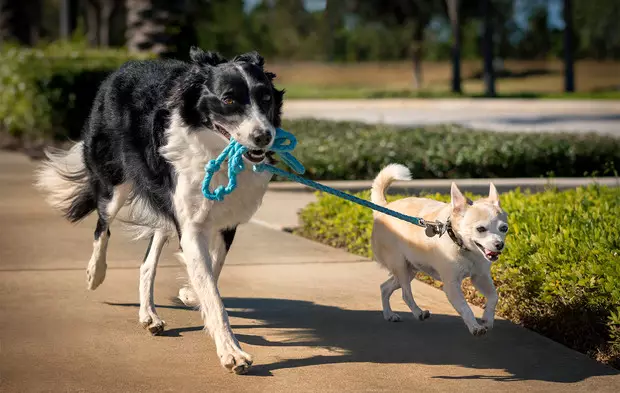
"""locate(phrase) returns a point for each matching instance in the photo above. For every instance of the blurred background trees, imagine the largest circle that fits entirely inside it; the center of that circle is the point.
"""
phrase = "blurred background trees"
(335, 31)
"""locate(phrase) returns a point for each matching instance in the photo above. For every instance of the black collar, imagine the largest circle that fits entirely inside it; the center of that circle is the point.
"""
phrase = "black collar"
(457, 240)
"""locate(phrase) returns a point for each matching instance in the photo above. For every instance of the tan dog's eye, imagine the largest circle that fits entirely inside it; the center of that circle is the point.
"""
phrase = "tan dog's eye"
(228, 101)
(481, 229)
(503, 228)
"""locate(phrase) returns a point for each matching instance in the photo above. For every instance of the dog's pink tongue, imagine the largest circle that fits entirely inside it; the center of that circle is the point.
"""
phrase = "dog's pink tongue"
(491, 253)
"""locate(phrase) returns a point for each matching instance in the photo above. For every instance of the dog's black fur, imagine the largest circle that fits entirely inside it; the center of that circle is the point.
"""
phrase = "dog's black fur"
(131, 112)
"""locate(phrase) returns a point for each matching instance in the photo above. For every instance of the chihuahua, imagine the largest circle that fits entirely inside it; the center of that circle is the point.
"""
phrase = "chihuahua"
(471, 238)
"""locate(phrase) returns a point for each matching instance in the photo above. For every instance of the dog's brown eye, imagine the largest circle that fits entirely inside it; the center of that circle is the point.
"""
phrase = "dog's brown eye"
(228, 101)
(266, 98)
(481, 229)
(503, 228)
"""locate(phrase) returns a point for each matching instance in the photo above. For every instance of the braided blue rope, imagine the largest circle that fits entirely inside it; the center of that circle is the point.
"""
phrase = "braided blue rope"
(284, 144)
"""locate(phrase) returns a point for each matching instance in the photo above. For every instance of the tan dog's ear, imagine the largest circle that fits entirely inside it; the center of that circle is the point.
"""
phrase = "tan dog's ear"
(457, 198)
(493, 195)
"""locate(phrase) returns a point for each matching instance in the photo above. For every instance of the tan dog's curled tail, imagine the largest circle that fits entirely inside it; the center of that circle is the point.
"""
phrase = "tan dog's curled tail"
(384, 179)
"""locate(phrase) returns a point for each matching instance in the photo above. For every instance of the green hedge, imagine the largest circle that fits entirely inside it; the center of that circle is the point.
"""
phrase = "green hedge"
(559, 275)
(47, 92)
(355, 151)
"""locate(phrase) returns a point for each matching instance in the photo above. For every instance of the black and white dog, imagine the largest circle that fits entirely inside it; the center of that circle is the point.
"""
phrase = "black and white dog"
(152, 128)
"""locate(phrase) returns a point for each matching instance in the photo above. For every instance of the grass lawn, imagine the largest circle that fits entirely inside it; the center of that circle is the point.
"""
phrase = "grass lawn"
(521, 79)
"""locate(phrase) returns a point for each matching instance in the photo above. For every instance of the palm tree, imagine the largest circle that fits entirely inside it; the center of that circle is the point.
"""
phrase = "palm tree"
(20, 21)
(146, 26)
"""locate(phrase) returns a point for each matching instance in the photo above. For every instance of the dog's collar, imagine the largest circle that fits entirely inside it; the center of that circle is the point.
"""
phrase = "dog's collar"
(457, 240)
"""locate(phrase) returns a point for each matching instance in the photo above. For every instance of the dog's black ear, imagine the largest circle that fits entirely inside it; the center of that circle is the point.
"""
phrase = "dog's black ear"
(251, 57)
(270, 75)
(201, 57)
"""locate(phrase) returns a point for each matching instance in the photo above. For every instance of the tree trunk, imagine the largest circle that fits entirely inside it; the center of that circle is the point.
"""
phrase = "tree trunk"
(20, 21)
(146, 26)
(92, 22)
(487, 45)
(68, 18)
(417, 53)
(569, 63)
(330, 19)
(455, 22)
(5, 21)
(105, 15)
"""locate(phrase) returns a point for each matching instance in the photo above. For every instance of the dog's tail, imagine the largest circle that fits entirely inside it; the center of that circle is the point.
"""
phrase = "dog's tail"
(384, 179)
(63, 176)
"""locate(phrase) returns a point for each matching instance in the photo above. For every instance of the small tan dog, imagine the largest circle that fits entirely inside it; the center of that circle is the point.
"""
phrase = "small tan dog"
(473, 240)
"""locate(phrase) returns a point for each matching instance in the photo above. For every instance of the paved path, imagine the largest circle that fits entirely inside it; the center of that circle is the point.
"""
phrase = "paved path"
(498, 114)
(308, 313)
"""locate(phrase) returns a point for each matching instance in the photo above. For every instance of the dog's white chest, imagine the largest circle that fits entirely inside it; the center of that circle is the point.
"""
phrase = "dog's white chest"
(239, 206)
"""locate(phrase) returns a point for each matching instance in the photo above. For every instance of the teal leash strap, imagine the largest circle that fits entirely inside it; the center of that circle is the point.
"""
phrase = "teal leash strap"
(234, 152)
(351, 198)
(284, 144)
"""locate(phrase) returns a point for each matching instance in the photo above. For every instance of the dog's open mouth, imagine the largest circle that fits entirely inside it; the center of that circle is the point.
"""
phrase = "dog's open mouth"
(488, 254)
(222, 131)
(254, 156)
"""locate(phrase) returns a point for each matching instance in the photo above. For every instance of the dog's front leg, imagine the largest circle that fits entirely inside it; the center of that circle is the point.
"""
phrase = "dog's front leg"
(452, 288)
(198, 262)
(484, 284)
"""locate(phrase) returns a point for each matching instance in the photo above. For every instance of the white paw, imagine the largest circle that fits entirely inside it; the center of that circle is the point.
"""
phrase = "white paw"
(235, 360)
(95, 274)
(188, 297)
(424, 314)
(152, 323)
(488, 324)
(391, 317)
(477, 330)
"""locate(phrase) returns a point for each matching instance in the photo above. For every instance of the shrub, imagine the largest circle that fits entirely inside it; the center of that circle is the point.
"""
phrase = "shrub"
(356, 151)
(47, 92)
(559, 275)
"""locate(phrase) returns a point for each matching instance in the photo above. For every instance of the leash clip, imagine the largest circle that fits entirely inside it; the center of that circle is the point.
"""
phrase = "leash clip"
(433, 228)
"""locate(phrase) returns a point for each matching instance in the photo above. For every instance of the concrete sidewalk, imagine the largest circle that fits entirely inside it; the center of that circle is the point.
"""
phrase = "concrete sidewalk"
(309, 314)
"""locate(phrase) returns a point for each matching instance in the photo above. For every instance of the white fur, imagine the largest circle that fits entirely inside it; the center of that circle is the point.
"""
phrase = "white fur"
(53, 175)
(200, 219)
(383, 180)
(147, 315)
(97, 266)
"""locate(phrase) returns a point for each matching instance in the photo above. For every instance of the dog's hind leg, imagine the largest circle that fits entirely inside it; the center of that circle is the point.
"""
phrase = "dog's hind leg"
(405, 275)
(108, 207)
(148, 316)
(387, 288)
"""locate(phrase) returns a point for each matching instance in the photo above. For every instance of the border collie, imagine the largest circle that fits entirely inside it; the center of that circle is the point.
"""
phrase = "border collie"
(153, 126)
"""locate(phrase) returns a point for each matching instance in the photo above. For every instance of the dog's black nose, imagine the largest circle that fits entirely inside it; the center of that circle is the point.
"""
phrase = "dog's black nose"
(261, 138)
(499, 245)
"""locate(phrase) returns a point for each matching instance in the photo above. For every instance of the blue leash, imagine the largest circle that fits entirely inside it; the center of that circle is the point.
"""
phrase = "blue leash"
(284, 143)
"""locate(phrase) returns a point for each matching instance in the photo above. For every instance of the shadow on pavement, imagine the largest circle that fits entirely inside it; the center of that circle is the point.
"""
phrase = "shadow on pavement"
(359, 336)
